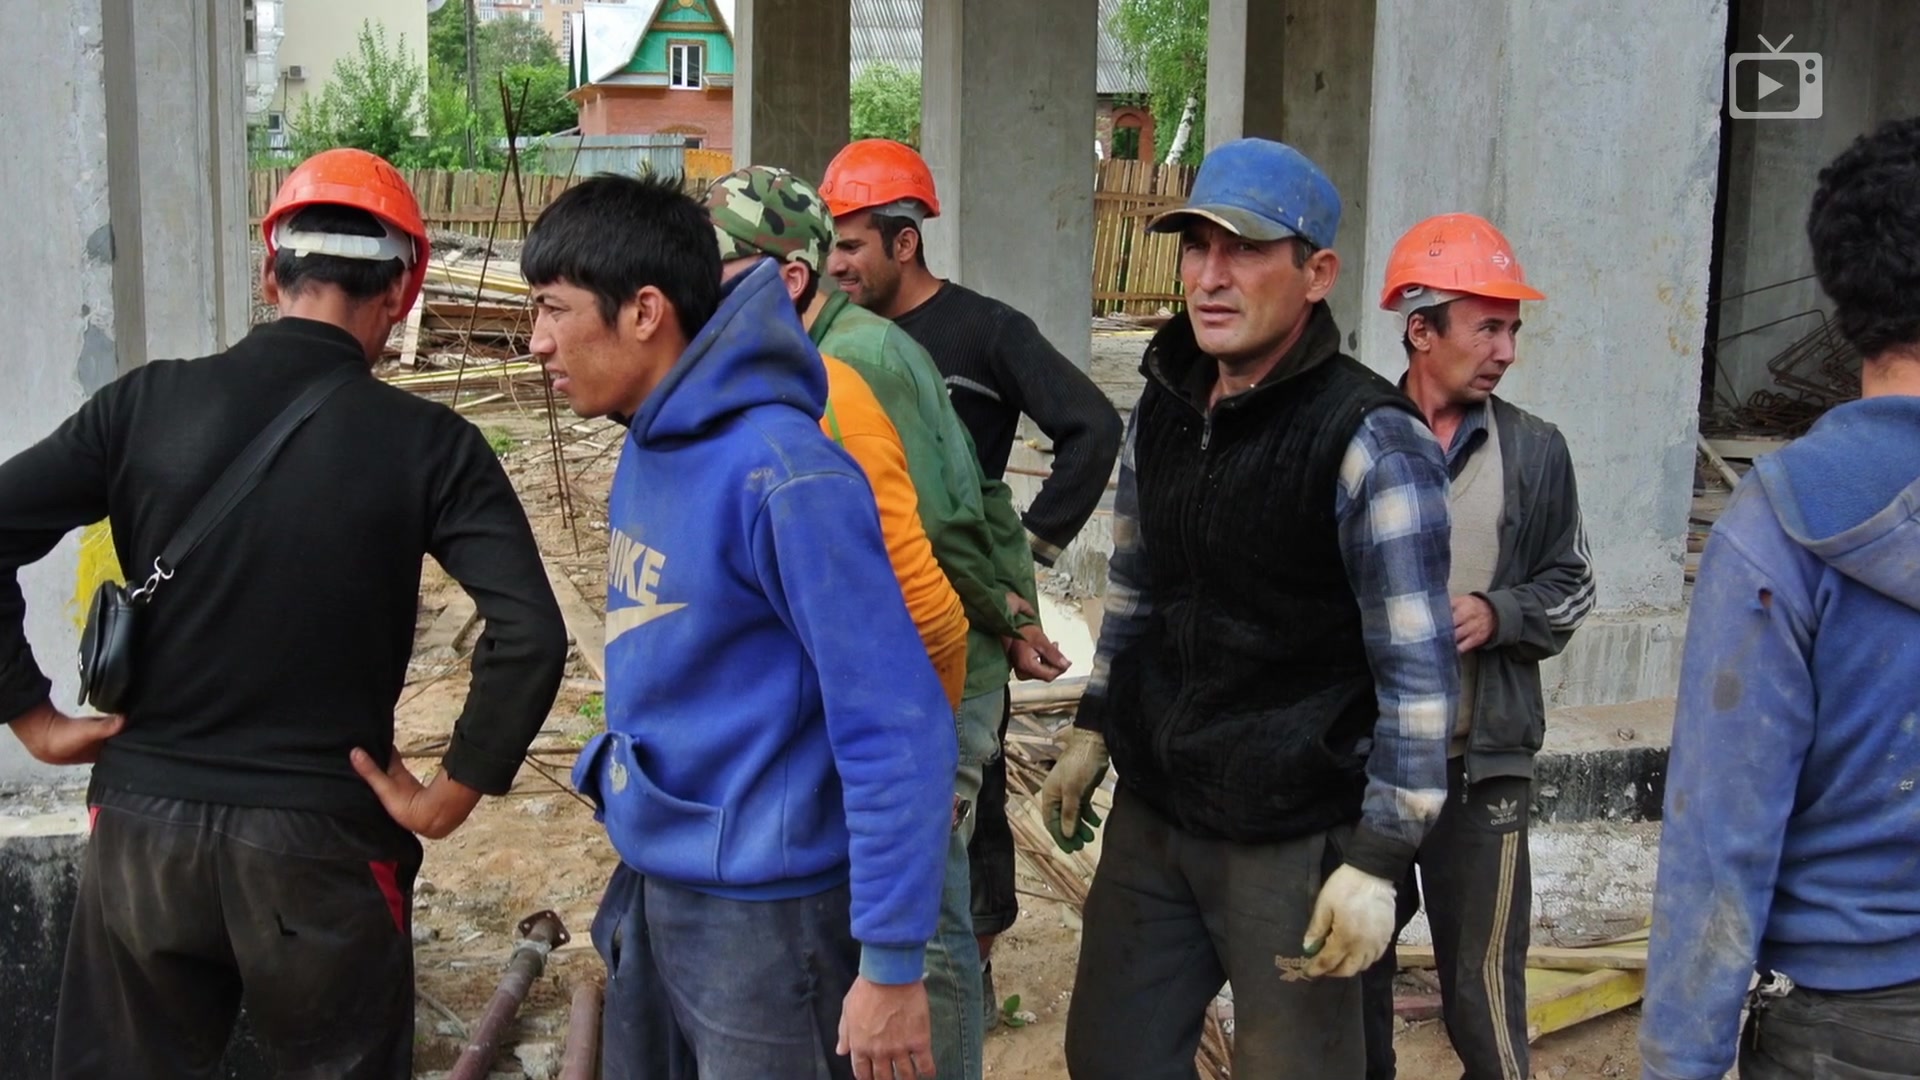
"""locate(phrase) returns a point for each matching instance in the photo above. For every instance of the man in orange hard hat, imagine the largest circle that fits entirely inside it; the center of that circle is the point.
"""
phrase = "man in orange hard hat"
(1520, 582)
(253, 828)
(997, 366)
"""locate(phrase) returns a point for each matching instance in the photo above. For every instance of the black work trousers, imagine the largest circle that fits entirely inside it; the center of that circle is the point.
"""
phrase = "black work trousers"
(1477, 884)
(990, 851)
(1170, 918)
(1833, 1035)
(187, 910)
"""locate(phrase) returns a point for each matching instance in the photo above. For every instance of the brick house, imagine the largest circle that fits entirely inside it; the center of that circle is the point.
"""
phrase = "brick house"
(655, 67)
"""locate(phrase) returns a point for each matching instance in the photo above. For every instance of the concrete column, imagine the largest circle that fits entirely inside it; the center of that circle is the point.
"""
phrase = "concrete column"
(1301, 71)
(127, 236)
(790, 83)
(1007, 122)
(1598, 156)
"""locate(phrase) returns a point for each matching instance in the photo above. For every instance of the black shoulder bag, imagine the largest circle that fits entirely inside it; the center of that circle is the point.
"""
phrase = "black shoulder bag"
(106, 645)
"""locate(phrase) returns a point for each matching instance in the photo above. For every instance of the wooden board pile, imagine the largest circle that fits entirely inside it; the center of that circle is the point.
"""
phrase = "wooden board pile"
(466, 339)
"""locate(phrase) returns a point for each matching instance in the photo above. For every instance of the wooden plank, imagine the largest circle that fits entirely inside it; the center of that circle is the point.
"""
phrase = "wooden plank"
(1719, 463)
(1622, 957)
(586, 625)
(442, 639)
(410, 340)
(1558, 1007)
(1058, 692)
(1745, 449)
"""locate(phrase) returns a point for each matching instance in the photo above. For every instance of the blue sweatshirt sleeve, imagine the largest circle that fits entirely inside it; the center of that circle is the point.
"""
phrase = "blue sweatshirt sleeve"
(1744, 723)
(888, 723)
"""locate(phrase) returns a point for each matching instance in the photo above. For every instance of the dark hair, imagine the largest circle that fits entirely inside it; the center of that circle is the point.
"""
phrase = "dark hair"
(615, 235)
(891, 226)
(1864, 228)
(360, 279)
(812, 289)
(1437, 315)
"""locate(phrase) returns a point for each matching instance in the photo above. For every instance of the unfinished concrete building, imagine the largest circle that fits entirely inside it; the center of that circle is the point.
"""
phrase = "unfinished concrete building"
(1666, 234)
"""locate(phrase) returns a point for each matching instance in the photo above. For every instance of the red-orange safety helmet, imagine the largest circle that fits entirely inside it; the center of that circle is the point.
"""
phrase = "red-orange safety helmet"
(876, 172)
(347, 177)
(1454, 253)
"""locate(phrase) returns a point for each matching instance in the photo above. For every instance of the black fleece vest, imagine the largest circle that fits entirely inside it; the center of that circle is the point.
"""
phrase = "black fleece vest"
(1242, 714)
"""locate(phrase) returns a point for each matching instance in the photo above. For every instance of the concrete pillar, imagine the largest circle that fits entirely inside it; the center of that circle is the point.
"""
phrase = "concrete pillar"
(1007, 126)
(790, 83)
(1301, 71)
(1598, 156)
(125, 184)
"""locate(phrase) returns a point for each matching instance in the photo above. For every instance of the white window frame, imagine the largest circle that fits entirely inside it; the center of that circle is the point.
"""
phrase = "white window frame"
(678, 53)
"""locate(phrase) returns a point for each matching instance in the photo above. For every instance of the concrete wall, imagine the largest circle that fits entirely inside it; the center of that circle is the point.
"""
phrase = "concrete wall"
(1597, 152)
(322, 32)
(790, 83)
(1006, 111)
(1773, 166)
(126, 152)
(1301, 71)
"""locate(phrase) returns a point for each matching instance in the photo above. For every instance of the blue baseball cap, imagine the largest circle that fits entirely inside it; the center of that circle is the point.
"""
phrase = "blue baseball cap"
(1262, 190)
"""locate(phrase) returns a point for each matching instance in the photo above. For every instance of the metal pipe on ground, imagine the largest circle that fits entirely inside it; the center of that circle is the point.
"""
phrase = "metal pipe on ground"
(582, 1058)
(540, 934)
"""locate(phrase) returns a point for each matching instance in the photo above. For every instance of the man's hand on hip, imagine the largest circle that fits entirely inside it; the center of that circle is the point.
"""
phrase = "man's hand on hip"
(1352, 923)
(55, 738)
(887, 1031)
(1474, 623)
(431, 810)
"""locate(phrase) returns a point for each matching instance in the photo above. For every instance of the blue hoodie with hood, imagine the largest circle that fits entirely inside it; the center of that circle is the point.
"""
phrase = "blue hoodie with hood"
(774, 727)
(1792, 833)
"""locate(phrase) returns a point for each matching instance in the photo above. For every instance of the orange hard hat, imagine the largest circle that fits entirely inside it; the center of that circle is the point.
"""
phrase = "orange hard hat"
(348, 177)
(875, 172)
(1454, 253)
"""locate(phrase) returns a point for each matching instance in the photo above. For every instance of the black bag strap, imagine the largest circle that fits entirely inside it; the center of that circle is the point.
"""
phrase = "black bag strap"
(241, 477)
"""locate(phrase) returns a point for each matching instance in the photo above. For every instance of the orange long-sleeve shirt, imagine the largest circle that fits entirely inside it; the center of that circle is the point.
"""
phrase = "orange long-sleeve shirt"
(856, 421)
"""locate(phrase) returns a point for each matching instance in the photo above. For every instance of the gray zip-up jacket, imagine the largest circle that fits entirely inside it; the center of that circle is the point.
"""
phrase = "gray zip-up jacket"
(1542, 590)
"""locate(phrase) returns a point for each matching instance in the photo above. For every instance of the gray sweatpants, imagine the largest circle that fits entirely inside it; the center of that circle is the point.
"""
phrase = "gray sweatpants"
(1170, 919)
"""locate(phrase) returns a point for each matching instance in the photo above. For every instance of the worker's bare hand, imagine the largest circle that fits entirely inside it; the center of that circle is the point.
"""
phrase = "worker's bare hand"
(431, 810)
(55, 738)
(887, 1031)
(1474, 623)
(1035, 656)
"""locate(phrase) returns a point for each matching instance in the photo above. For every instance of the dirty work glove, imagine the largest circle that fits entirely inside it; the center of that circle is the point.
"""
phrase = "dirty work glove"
(1352, 923)
(1066, 799)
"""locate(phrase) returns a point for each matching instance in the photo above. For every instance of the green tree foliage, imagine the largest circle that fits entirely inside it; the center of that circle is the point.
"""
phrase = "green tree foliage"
(885, 104)
(515, 48)
(374, 101)
(1166, 40)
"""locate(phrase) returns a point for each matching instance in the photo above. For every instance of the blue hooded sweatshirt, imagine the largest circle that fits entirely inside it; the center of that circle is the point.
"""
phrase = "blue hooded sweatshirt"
(774, 727)
(1792, 833)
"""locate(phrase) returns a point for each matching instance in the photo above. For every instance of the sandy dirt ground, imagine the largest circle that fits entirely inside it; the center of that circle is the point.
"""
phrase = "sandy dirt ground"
(539, 848)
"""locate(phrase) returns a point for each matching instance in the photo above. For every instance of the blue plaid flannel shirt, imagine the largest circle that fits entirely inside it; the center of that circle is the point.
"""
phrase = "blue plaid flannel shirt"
(1391, 506)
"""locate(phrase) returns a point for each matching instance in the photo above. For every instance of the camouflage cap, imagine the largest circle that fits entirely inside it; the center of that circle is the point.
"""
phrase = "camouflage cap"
(766, 211)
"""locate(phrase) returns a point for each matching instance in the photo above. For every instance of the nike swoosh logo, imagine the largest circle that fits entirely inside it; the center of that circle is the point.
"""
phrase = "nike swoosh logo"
(622, 620)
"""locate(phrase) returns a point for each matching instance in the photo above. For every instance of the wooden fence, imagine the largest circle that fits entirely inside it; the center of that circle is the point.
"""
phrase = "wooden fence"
(1133, 272)
(467, 202)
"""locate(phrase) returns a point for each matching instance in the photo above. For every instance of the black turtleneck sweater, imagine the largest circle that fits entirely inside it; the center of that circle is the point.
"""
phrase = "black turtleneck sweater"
(998, 365)
(282, 642)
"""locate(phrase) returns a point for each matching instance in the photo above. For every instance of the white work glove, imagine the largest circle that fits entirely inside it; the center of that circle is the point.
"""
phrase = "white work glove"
(1352, 923)
(1066, 799)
